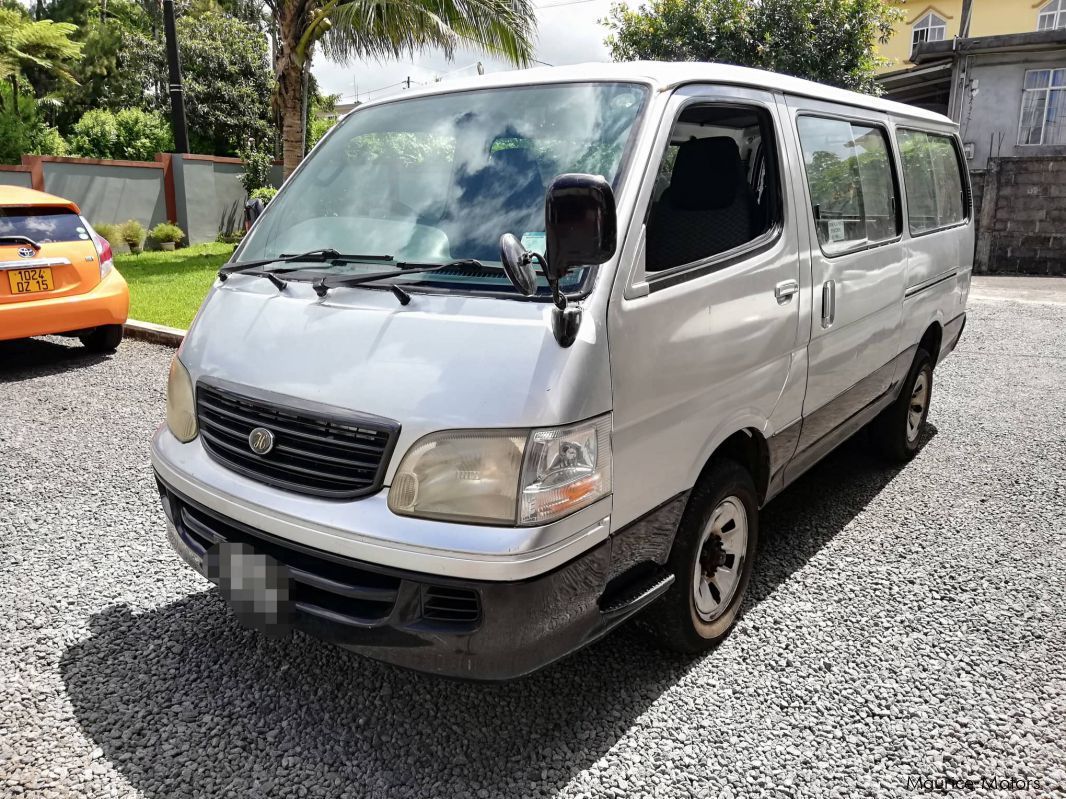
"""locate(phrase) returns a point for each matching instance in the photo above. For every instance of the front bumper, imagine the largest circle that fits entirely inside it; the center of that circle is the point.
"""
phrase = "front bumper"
(108, 303)
(485, 630)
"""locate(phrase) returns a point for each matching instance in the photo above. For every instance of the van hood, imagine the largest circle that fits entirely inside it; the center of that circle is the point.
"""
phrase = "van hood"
(443, 361)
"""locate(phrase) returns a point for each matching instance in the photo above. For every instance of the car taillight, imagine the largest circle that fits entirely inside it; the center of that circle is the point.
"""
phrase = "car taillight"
(103, 250)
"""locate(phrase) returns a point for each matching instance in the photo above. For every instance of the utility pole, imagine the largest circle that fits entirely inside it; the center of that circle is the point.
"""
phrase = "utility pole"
(177, 93)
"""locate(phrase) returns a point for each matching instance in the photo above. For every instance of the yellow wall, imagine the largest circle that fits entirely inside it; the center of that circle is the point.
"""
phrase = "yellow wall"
(989, 17)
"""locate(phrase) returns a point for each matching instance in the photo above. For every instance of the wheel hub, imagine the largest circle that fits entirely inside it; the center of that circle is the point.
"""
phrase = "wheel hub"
(720, 564)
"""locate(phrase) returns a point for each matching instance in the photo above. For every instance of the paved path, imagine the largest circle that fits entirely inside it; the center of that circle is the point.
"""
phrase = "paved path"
(903, 625)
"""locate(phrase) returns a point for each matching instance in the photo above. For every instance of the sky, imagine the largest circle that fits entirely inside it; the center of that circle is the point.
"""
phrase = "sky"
(569, 33)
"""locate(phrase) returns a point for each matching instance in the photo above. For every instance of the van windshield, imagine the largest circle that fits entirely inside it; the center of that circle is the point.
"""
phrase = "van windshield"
(439, 179)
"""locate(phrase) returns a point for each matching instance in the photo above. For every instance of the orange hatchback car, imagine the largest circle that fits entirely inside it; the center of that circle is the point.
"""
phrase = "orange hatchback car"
(56, 273)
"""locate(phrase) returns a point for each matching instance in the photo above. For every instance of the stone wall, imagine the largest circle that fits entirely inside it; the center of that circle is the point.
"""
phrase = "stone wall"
(1021, 216)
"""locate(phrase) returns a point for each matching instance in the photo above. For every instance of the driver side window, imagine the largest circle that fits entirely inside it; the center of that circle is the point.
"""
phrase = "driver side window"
(716, 189)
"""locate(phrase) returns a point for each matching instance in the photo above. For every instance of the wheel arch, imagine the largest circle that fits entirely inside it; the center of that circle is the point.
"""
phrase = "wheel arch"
(932, 339)
(748, 447)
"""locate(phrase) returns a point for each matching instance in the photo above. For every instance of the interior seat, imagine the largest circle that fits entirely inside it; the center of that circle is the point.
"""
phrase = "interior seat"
(708, 208)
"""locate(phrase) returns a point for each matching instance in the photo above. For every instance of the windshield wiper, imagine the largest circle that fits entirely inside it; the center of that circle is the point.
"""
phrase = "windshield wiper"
(323, 255)
(23, 239)
(328, 282)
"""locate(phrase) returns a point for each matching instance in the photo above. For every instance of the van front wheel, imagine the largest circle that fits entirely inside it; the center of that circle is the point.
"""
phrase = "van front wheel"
(711, 560)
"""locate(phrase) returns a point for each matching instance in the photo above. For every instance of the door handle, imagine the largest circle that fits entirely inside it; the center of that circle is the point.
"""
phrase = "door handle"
(829, 303)
(784, 290)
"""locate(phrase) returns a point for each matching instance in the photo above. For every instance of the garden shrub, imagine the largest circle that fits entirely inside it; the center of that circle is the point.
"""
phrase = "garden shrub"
(113, 233)
(257, 165)
(131, 134)
(266, 194)
(133, 234)
(167, 231)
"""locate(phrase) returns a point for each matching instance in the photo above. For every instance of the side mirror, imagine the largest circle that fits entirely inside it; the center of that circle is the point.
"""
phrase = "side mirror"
(581, 229)
(580, 224)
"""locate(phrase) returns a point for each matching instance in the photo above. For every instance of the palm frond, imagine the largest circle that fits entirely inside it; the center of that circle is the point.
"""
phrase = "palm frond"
(394, 28)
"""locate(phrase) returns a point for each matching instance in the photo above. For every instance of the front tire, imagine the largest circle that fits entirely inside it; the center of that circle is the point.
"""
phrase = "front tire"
(105, 338)
(898, 429)
(711, 560)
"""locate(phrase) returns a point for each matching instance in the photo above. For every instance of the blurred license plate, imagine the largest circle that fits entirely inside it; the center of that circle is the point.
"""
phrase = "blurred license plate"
(26, 281)
(255, 586)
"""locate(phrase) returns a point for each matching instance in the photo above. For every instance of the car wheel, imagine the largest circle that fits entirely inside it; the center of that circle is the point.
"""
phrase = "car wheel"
(711, 561)
(105, 338)
(898, 429)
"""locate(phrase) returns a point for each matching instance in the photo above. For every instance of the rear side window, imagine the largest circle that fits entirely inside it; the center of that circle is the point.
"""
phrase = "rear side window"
(41, 224)
(853, 189)
(932, 176)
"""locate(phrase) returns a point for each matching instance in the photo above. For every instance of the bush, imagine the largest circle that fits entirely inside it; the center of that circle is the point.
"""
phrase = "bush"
(167, 231)
(133, 234)
(130, 134)
(257, 165)
(113, 233)
(25, 132)
(266, 194)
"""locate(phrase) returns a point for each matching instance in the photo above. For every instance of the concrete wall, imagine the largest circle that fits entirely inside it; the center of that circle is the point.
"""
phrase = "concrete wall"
(202, 194)
(16, 176)
(110, 192)
(210, 198)
(989, 120)
(1022, 216)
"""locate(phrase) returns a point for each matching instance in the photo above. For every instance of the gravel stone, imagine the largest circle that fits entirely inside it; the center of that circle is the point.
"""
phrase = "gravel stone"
(903, 625)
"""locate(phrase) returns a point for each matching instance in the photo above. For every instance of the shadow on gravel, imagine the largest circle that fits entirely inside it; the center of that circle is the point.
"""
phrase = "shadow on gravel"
(184, 702)
(27, 358)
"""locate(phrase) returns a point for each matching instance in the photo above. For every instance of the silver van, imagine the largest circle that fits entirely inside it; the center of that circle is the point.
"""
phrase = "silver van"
(506, 362)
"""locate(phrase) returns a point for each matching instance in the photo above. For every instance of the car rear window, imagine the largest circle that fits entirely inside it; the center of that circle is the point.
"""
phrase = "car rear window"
(42, 223)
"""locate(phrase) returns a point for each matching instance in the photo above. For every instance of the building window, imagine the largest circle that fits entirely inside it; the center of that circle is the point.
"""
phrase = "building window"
(1052, 16)
(931, 28)
(1043, 107)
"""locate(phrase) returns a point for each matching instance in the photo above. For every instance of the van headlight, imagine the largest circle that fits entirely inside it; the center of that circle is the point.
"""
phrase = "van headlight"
(181, 404)
(524, 477)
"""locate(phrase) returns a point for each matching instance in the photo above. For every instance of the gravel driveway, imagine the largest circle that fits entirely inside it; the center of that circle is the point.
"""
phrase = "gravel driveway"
(904, 626)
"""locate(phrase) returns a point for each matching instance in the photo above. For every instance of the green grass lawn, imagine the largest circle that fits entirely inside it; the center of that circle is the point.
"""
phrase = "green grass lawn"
(168, 287)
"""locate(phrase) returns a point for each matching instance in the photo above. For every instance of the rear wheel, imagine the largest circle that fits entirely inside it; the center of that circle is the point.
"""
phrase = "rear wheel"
(711, 560)
(105, 338)
(898, 429)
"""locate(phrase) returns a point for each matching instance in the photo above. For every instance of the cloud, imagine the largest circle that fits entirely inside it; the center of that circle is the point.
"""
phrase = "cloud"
(568, 34)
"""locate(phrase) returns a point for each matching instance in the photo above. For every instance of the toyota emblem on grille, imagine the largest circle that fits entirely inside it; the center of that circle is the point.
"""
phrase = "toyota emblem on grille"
(26, 252)
(261, 441)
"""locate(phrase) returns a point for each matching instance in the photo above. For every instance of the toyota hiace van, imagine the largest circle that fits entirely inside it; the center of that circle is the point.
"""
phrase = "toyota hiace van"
(507, 362)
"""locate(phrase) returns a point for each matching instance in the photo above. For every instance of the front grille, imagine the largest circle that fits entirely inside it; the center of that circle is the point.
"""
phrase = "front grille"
(316, 450)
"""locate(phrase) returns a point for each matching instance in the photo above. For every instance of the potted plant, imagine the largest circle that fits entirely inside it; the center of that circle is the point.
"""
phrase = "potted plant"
(167, 235)
(133, 234)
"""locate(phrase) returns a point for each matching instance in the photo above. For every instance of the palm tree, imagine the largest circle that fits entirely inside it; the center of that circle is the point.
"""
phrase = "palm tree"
(358, 29)
(44, 44)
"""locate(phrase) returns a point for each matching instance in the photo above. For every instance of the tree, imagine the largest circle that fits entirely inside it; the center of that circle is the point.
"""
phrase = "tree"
(40, 44)
(131, 134)
(831, 41)
(360, 29)
(226, 69)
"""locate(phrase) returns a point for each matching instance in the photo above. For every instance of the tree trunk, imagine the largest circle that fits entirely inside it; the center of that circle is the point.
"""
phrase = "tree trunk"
(288, 69)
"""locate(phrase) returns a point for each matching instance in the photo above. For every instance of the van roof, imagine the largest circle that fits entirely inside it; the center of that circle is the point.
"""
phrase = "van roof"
(666, 75)
(19, 195)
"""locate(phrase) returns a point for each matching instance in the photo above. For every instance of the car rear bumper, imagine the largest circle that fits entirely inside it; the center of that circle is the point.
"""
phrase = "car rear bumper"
(106, 304)
(483, 630)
